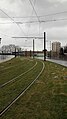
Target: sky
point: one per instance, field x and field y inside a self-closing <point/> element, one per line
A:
<point x="27" y="18"/>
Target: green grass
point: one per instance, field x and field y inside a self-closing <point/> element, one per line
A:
<point x="19" y="66"/>
<point x="13" y="89"/>
<point x="46" y="98"/>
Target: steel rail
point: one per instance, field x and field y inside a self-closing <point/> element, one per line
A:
<point x="17" y="76"/>
<point x="9" y="67"/>
<point x="29" y="85"/>
<point x="13" y="66"/>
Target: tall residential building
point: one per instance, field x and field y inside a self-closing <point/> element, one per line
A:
<point x="56" y="47"/>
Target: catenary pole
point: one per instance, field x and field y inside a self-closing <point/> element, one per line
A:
<point x="33" y="48"/>
<point x="44" y="46"/>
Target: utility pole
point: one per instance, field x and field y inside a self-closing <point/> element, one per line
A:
<point x="30" y="53"/>
<point x="0" y="40"/>
<point x="33" y="48"/>
<point x="15" y="51"/>
<point x="44" y="46"/>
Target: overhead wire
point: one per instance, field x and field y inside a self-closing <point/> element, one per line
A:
<point x="11" y="19"/>
<point x="31" y="15"/>
<point x="41" y="15"/>
<point x="34" y="10"/>
<point x="41" y="21"/>
<point x="34" y="2"/>
<point x="5" y="34"/>
<point x="53" y="14"/>
<point x="36" y="15"/>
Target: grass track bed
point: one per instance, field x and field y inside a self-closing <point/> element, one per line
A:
<point x="13" y="72"/>
<point x="11" y="91"/>
<point x="46" y="99"/>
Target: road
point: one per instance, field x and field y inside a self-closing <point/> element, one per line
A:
<point x="61" y="62"/>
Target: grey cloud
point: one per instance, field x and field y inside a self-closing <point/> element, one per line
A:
<point x="22" y="8"/>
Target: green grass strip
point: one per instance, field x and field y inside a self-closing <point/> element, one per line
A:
<point x="46" y="99"/>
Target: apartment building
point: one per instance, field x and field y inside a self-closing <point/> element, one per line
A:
<point x="56" y="47"/>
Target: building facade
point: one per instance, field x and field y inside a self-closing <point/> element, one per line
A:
<point x="56" y="49"/>
<point x="56" y="46"/>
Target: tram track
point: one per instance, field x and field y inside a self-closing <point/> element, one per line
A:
<point x="12" y="80"/>
<point x="8" y="67"/>
<point x="24" y="90"/>
<point x="5" y="78"/>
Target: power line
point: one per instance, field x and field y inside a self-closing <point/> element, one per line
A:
<point x="11" y="19"/>
<point x="39" y="16"/>
<point x="31" y="16"/>
<point x="41" y="21"/>
<point x="35" y="14"/>
<point x="5" y="35"/>
<point x="34" y="11"/>
<point x="53" y="14"/>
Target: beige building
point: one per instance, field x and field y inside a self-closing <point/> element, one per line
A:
<point x="56" y="47"/>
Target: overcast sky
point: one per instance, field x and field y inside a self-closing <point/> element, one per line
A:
<point x="33" y="19"/>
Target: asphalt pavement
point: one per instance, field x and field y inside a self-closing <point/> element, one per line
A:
<point x="61" y="62"/>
